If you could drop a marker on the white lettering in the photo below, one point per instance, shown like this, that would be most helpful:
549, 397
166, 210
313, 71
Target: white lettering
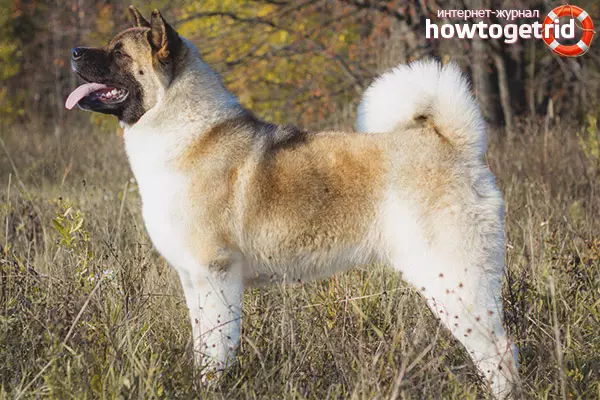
465, 31
429, 28
511, 33
548, 30
537, 29
447, 31
525, 31
502, 14
481, 26
568, 30
495, 31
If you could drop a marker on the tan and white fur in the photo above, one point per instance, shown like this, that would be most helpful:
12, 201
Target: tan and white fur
231, 201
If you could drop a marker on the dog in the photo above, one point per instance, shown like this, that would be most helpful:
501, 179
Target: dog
231, 201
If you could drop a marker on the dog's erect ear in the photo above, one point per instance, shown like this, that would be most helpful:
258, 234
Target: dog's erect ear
138, 18
164, 39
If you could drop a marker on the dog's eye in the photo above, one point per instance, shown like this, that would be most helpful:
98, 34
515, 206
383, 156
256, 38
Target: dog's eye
119, 53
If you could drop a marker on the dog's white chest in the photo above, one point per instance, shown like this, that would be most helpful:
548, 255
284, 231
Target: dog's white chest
162, 191
163, 217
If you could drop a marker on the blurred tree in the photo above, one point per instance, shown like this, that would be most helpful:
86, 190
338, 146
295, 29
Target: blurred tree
9, 62
304, 62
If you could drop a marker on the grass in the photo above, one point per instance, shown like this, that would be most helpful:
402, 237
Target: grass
89, 310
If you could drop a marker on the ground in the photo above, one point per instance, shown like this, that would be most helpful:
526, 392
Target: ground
89, 310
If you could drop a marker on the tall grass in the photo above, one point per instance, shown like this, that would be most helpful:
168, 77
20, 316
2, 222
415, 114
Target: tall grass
89, 310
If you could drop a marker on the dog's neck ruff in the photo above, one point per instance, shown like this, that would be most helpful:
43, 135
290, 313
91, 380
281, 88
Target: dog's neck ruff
194, 102
196, 99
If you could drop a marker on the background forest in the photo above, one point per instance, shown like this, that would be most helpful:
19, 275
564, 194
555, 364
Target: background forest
89, 310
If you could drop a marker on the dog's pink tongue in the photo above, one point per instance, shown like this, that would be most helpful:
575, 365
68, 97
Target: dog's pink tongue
81, 92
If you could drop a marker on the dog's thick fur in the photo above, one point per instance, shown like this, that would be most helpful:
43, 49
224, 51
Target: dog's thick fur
232, 201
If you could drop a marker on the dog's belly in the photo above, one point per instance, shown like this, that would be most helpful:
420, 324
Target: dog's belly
307, 266
293, 250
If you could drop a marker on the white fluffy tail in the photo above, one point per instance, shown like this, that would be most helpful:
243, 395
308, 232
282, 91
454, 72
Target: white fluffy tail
425, 89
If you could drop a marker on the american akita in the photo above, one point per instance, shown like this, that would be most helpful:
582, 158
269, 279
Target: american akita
231, 201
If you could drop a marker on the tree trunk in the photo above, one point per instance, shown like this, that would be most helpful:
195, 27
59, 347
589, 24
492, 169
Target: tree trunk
504, 90
483, 82
531, 82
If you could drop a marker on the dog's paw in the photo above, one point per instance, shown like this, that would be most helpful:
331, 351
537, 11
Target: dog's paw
210, 377
211, 374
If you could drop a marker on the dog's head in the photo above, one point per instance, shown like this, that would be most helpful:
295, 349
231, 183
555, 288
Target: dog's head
129, 75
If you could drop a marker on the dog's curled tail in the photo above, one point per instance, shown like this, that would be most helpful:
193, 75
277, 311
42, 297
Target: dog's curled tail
425, 91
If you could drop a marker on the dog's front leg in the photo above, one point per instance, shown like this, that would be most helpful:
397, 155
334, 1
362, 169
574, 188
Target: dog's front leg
214, 298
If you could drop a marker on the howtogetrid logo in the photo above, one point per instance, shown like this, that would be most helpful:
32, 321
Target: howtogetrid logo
551, 30
587, 25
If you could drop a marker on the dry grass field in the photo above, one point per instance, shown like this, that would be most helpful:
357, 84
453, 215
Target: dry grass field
89, 310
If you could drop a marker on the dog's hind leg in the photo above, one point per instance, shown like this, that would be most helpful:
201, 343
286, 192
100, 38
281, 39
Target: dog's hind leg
214, 298
460, 276
468, 303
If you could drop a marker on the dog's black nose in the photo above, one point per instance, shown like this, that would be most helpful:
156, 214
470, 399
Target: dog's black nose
76, 53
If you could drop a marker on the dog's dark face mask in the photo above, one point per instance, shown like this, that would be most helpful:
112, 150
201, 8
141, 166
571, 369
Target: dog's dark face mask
128, 76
